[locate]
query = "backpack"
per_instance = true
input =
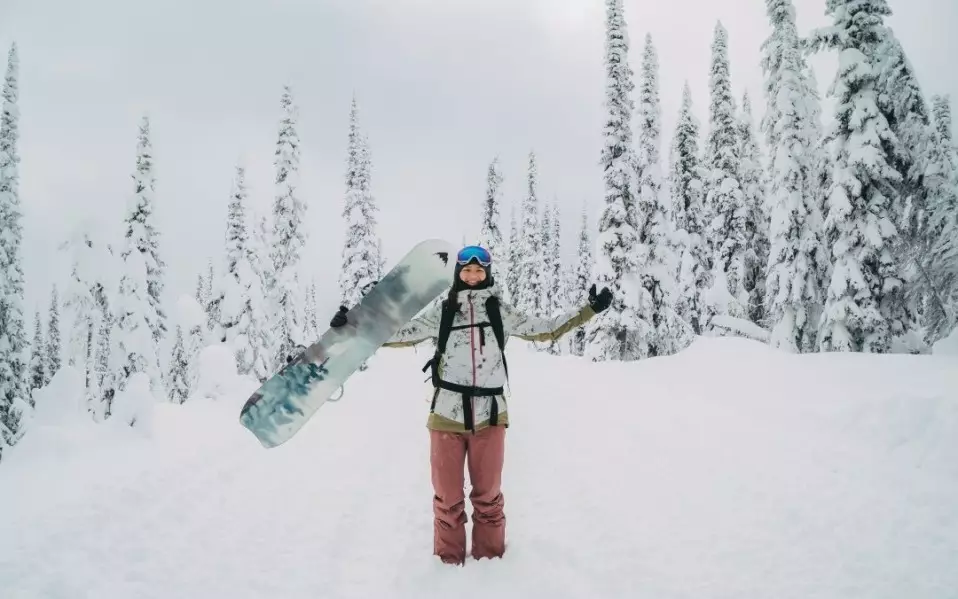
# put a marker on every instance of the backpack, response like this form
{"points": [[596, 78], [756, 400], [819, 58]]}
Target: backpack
{"points": [[468, 392]]}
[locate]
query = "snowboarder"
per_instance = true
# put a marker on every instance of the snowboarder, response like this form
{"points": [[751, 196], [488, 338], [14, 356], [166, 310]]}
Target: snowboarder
{"points": [[468, 416]]}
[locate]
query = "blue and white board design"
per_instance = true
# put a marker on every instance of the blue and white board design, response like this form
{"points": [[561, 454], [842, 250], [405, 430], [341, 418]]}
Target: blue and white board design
{"points": [[283, 404]]}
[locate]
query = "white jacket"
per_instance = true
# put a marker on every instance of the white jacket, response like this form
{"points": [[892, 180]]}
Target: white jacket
{"points": [[472, 356]]}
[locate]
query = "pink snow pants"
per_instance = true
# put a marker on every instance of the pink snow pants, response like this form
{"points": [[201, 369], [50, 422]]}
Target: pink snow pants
{"points": [[483, 453]]}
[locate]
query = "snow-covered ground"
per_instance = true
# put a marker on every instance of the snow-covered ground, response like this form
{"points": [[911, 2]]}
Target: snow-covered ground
{"points": [[727, 471]]}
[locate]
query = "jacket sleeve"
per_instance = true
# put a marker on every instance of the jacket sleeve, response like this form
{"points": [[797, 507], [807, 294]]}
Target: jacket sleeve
{"points": [[532, 328], [417, 330]]}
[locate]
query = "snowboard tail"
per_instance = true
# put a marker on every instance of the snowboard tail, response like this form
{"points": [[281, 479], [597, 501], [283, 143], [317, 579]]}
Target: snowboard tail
{"points": [[285, 401]]}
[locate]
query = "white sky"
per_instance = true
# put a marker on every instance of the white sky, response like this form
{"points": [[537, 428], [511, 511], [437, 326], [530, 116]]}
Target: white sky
{"points": [[442, 88]]}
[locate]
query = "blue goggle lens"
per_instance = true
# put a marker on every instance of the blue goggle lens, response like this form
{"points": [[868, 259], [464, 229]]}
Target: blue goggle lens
{"points": [[474, 252]]}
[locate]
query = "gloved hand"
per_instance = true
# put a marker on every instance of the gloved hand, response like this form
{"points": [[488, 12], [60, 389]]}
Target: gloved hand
{"points": [[600, 302], [299, 349], [340, 318]]}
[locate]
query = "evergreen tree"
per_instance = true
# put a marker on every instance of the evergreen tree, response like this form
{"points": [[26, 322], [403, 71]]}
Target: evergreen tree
{"points": [[936, 253], [361, 260], [37, 374], [546, 260], [726, 211], [179, 383], [13, 335], [796, 264], [490, 237], [104, 379], [752, 178], [609, 333], [52, 356], [514, 266], [261, 338], [581, 281], [138, 316], [529, 291], [859, 225], [312, 318], [241, 313], [288, 239], [688, 214], [656, 247]]}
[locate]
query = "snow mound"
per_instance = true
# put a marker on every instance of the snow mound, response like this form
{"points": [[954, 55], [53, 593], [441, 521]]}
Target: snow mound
{"points": [[133, 406], [62, 402], [217, 377]]}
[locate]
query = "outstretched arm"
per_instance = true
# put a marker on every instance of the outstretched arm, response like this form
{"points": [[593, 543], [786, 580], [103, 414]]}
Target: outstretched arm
{"points": [[532, 328], [417, 330]]}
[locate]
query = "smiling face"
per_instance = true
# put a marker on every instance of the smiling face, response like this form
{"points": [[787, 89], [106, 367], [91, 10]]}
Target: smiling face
{"points": [[472, 274]]}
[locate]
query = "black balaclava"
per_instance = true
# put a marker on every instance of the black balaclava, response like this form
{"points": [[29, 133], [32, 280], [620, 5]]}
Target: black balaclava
{"points": [[459, 285]]}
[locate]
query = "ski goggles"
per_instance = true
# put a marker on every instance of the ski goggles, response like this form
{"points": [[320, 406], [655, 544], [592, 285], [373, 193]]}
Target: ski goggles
{"points": [[474, 252]]}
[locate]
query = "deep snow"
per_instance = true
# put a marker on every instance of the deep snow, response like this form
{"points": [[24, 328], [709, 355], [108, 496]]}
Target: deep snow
{"points": [[727, 471]]}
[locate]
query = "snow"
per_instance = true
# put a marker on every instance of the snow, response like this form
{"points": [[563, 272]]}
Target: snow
{"points": [[948, 346], [621, 479]]}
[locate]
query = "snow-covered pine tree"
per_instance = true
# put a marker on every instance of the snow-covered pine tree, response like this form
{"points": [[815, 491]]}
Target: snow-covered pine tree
{"points": [[178, 386], [53, 353], [752, 178], [514, 264], [138, 316], [104, 379], [490, 235], [262, 338], [144, 190], [36, 374], [608, 334], [288, 239], [241, 305], [312, 318], [937, 251], [529, 282], [726, 212], [554, 285], [13, 335], [656, 247], [859, 226], [900, 99], [688, 216], [797, 261], [546, 259], [581, 281]]}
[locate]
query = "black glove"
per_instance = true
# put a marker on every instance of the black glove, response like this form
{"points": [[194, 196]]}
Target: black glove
{"points": [[298, 350], [340, 318], [600, 302]]}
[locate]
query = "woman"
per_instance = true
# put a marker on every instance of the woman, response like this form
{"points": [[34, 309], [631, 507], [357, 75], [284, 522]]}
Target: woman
{"points": [[469, 415]]}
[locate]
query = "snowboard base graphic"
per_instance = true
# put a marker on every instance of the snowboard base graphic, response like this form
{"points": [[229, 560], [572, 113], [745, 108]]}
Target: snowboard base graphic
{"points": [[283, 404]]}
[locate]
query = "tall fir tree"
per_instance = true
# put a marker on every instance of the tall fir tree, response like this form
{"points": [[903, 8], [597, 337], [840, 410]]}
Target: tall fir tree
{"points": [[937, 248], [362, 264], [13, 335], [52, 355], [656, 248], [556, 297], [900, 99], [288, 238], [688, 216], [138, 314], [490, 235], [858, 225], [796, 265], [752, 177], [725, 209], [609, 333], [529, 282], [514, 267], [581, 281], [262, 340], [36, 371], [178, 387]]}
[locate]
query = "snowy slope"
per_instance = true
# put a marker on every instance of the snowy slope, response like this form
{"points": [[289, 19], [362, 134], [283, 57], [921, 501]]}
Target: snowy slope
{"points": [[727, 471]]}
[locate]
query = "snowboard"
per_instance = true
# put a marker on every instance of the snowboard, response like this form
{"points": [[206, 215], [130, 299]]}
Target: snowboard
{"points": [[285, 401]]}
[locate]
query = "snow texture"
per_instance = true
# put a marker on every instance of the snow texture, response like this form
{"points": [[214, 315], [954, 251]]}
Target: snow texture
{"points": [[840, 484]]}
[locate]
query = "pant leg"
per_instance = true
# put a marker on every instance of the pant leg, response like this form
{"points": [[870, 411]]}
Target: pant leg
{"points": [[485, 456], [447, 456]]}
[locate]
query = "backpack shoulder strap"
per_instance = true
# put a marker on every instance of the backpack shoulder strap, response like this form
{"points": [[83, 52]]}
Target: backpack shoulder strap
{"points": [[495, 321], [445, 325]]}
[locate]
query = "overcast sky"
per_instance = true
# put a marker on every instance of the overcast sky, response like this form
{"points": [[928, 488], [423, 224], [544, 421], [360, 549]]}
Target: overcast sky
{"points": [[442, 87]]}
